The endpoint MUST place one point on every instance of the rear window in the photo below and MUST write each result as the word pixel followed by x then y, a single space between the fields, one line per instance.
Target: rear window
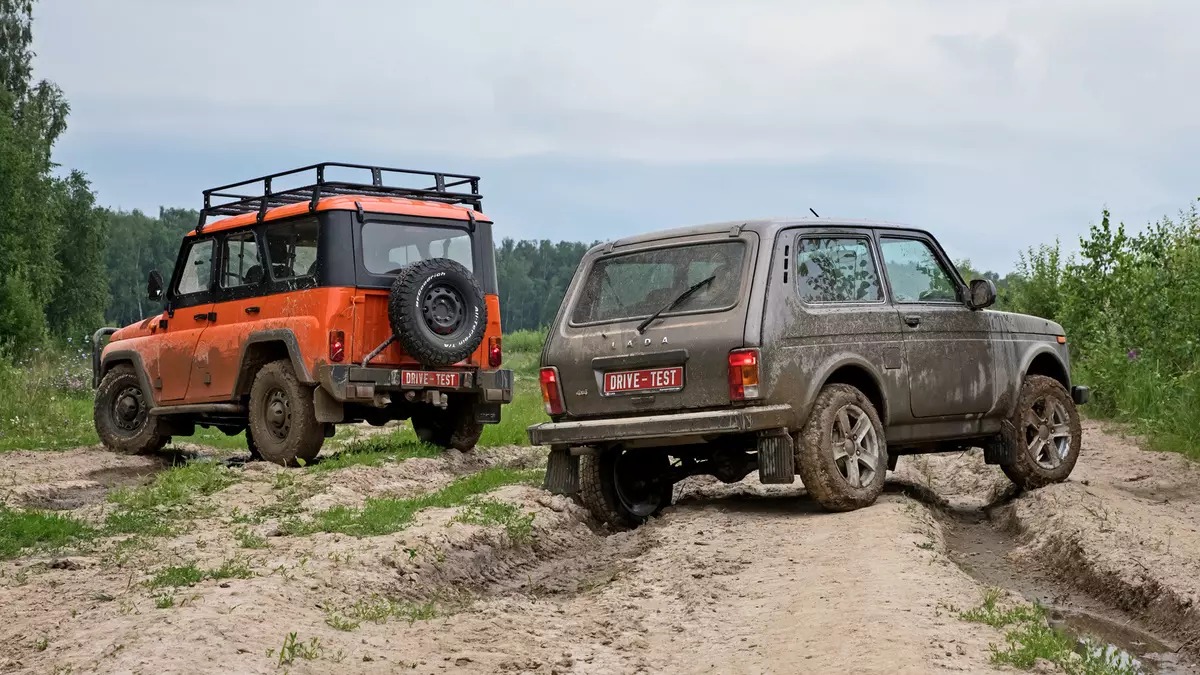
pixel 389 247
pixel 638 284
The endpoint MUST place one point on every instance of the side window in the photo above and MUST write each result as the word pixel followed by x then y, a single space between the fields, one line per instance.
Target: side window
pixel 915 273
pixel 196 275
pixel 292 249
pixel 242 263
pixel 830 269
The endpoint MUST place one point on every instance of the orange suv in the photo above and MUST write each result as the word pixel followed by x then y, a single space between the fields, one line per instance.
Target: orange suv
pixel 318 301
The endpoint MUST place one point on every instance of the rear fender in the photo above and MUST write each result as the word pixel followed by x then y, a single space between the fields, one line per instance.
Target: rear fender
pixel 262 347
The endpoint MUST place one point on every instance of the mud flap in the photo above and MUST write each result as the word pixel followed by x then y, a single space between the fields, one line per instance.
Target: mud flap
pixel 327 408
pixel 776 458
pixel 1003 448
pixel 487 413
pixel 562 472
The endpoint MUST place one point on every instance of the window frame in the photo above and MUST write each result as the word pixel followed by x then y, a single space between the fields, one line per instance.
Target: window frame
pixel 300 281
pixel 177 300
pixel 241 290
pixel 748 256
pixel 876 258
pixel 938 256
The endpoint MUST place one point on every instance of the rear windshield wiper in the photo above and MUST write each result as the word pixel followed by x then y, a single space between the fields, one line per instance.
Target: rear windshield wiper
pixel 675 303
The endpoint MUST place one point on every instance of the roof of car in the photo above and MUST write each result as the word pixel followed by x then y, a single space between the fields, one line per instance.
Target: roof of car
pixel 392 205
pixel 762 226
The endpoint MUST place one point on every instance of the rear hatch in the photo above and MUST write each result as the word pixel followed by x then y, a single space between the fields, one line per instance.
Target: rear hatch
pixel 680 360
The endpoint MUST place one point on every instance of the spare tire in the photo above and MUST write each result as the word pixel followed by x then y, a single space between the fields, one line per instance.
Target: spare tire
pixel 437 312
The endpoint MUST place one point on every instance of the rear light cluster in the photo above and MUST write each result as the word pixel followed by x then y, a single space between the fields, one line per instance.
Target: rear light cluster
pixel 337 346
pixel 495 356
pixel 551 391
pixel 743 374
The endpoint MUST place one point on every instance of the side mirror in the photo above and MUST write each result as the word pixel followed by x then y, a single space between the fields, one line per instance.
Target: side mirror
pixel 983 293
pixel 154 286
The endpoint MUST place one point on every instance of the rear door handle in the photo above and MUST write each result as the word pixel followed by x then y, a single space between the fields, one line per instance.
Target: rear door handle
pixel 912 320
pixel 201 317
pixel 252 310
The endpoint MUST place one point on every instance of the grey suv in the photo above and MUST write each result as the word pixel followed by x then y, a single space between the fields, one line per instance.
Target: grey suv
pixel 819 347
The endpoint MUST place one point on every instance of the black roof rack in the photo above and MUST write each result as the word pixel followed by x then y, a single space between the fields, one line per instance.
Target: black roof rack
pixel 256 196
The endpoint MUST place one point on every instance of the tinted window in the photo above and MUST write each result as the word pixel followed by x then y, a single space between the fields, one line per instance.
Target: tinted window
pixel 836 270
pixel 914 272
pixel 388 247
pixel 639 284
pixel 243 266
pixel 292 249
pixel 196 275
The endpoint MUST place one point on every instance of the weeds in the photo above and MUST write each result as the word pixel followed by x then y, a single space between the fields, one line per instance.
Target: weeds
pixel 191 574
pixel 37 530
pixel 42 644
pixel 1029 638
pixel 247 539
pixel 377 450
pixel 309 651
pixel 164 600
pixel 149 510
pixel 518 525
pixel 386 515
pixel 378 610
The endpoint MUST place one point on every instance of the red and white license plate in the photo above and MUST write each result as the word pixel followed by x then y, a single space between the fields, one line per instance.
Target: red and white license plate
pixel 653 379
pixel 427 378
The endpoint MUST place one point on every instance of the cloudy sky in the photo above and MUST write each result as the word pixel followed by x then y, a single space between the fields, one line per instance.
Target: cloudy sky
pixel 997 125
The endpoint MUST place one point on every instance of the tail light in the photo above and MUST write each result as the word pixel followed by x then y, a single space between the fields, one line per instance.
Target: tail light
pixel 743 374
pixel 551 391
pixel 495 356
pixel 337 346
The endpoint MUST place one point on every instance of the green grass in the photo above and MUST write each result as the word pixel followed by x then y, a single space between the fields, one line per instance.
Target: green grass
pixel 22 530
pixel 386 515
pixel 150 509
pixel 377 449
pixel 247 539
pixel 524 342
pixel 1029 638
pixel 518 525
pixel 526 409
pixel 46 401
pixel 189 574
pixel 379 610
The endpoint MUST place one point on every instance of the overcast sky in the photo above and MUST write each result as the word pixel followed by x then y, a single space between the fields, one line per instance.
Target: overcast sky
pixel 996 125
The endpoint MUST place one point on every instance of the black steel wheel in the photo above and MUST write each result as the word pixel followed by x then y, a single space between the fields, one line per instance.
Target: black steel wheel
pixel 437 312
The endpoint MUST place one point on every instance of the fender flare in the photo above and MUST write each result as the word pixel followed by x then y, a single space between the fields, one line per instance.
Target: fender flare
pixel 1027 360
pixel 285 336
pixel 107 361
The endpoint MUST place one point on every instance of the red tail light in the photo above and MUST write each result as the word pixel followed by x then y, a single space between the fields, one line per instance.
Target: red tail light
pixel 337 346
pixel 743 374
pixel 551 391
pixel 495 356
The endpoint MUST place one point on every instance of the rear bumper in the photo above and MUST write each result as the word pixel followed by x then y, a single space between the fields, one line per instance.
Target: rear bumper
pixel 1080 394
pixel 352 384
pixel 587 432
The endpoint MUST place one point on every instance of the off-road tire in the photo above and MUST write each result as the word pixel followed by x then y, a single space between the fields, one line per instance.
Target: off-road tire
pixel 1024 471
pixel 413 300
pixel 815 461
pixel 276 387
pixel 455 427
pixel 148 436
pixel 598 493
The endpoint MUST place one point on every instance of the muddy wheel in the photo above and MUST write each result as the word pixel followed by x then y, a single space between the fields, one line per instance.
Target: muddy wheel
pixel 841 455
pixel 625 487
pixel 1048 435
pixel 283 424
pixel 121 413
pixel 455 427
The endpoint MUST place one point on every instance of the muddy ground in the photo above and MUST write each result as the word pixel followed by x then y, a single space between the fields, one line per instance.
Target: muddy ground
pixel 740 578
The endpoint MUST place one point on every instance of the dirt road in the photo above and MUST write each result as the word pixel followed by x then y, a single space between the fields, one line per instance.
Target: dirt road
pixel 738 578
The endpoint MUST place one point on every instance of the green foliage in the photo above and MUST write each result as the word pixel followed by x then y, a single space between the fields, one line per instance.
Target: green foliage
pixel 385 515
pixel 517 524
pixel 533 278
pixel 46 401
pixel 21 530
pixel 190 574
pixel 377 449
pixel 151 509
pixel 378 610
pixel 1130 305
pixel 526 409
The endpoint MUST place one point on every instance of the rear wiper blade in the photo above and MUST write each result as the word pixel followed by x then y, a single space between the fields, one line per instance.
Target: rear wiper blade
pixel 675 303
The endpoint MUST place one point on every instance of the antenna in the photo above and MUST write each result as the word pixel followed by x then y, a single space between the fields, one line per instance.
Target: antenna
pixel 813 212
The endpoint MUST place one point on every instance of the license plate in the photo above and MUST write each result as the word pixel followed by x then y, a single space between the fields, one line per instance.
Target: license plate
pixel 427 378
pixel 652 379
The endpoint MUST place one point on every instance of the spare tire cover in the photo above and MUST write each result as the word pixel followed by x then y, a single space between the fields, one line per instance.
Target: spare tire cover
pixel 437 311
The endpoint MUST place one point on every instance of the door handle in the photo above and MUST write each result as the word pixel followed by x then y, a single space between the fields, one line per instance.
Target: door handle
pixel 912 320
pixel 252 310
pixel 201 317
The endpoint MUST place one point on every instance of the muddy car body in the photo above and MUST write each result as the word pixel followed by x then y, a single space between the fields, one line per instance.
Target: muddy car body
pixel 821 347
pixel 336 301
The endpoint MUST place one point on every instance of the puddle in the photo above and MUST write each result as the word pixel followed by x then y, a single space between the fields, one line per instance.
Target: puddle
pixel 97 486
pixel 981 550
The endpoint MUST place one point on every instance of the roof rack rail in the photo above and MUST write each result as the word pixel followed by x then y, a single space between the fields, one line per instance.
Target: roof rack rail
pixel 256 196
